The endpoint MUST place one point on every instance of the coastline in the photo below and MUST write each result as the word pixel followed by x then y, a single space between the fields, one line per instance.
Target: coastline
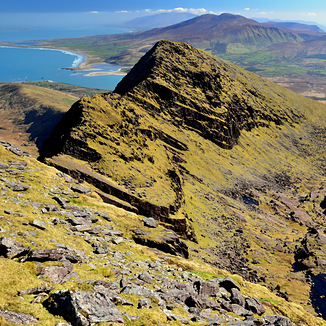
pixel 81 63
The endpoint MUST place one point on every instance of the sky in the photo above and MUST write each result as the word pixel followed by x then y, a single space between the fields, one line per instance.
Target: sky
pixel 20 12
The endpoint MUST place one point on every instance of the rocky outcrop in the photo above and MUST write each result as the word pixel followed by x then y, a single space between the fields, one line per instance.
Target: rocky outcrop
pixel 84 308
pixel 42 255
pixel 312 251
pixel 10 248
pixel 168 242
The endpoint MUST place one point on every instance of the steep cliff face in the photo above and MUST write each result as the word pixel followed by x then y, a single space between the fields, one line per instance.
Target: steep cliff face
pixel 204 93
pixel 213 152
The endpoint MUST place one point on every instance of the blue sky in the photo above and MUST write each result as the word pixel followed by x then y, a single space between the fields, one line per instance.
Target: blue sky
pixel 109 10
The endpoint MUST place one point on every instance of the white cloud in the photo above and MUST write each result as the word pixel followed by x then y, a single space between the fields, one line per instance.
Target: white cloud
pixel 312 14
pixel 195 11
pixel 247 9
pixel 94 12
pixel 122 12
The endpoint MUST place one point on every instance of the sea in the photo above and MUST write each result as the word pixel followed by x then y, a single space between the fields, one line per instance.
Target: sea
pixel 36 64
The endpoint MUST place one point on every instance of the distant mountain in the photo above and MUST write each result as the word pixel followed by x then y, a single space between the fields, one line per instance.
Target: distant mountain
pixel 230 31
pixel 304 30
pixel 311 48
pixel 225 33
pixel 158 20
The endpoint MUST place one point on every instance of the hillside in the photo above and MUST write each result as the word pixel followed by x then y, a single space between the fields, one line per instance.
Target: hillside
pixel 230 162
pixel 67 258
pixel 29 113
pixel 308 31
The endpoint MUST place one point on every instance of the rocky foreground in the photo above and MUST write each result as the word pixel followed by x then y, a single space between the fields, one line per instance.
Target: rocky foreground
pixel 77 264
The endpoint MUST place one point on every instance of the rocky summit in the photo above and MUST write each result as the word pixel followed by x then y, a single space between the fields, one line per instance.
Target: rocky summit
pixel 192 194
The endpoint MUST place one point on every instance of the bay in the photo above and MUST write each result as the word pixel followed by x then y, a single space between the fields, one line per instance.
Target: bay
pixel 34 64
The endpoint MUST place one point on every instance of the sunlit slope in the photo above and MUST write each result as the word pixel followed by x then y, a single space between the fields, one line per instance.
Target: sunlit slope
pixel 222 150
pixel 29 113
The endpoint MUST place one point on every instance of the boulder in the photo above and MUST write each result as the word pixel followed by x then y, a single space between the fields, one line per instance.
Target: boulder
pixel 17 186
pixel 17 317
pixel 83 308
pixel 39 224
pixel 237 298
pixel 150 222
pixel 144 303
pixel 254 305
pixel 277 320
pixel 42 255
pixel 36 290
pixel 228 283
pixel 81 189
pixel 207 288
pixel 59 274
pixel 146 277
pixel 10 247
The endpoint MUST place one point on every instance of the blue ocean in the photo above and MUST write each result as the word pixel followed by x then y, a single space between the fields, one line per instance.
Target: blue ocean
pixel 32 64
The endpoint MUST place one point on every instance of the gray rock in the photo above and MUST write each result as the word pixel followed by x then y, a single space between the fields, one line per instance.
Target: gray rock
pixel 274 320
pixel 17 317
pixel 53 255
pixel 240 311
pixel 80 189
pixel 17 186
pixel 228 283
pixel 10 247
pixel 146 277
pixel 36 290
pixel 118 240
pixel 254 305
pixel 237 298
pixel 150 222
pixel 208 288
pixel 38 224
pixel 144 303
pixel 83 308
pixel 59 274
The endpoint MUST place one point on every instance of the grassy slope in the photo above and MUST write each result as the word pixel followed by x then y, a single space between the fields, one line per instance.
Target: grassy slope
pixel 267 161
pixel 29 112
pixel 16 276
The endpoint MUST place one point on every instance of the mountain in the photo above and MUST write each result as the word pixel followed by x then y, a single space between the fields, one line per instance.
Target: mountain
pixel 158 20
pixel 232 163
pixel 225 33
pixel 310 48
pixel 297 27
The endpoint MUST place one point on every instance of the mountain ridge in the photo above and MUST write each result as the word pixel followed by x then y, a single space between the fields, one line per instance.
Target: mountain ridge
pixel 154 137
